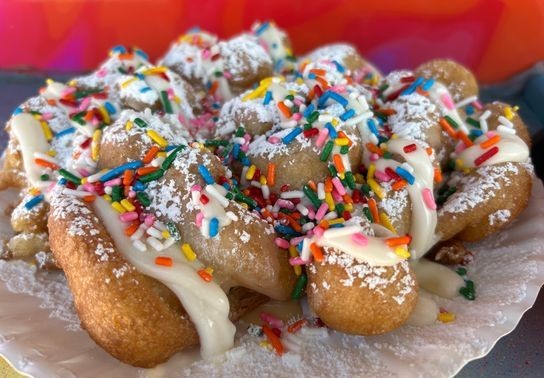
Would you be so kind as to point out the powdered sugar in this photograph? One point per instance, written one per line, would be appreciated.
(499, 216)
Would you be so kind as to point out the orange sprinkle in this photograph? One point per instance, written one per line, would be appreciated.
(146, 170)
(45, 163)
(214, 87)
(447, 128)
(388, 112)
(396, 241)
(338, 163)
(89, 198)
(317, 253)
(347, 198)
(88, 116)
(342, 134)
(267, 214)
(296, 226)
(324, 224)
(150, 155)
(311, 94)
(490, 142)
(429, 151)
(297, 325)
(205, 275)
(296, 215)
(273, 339)
(51, 101)
(328, 185)
(421, 91)
(466, 140)
(324, 83)
(375, 149)
(374, 210)
(246, 192)
(312, 185)
(437, 175)
(271, 174)
(398, 185)
(125, 56)
(127, 177)
(284, 109)
(163, 261)
(318, 71)
(132, 228)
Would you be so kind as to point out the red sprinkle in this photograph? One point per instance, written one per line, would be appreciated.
(204, 199)
(163, 261)
(486, 156)
(410, 148)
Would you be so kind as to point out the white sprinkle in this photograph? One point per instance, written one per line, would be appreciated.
(506, 130)
(321, 191)
(292, 194)
(154, 232)
(232, 216)
(466, 101)
(266, 191)
(307, 226)
(331, 215)
(407, 167)
(139, 245)
(303, 209)
(155, 244)
(212, 191)
(505, 122)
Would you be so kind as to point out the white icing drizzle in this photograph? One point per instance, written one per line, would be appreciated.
(28, 132)
(424, 219)
(215, 208)
(511, 149)
(273, 40)
(205, 302)
(437, 279)
(436, 94)
(376, 252)
(425, 312)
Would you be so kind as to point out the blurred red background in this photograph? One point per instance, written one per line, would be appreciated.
(494, 38)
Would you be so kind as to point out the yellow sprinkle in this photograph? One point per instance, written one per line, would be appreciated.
(446, 317)
(348, 207)
(334, 122)
(188, 252)
(337, 221)
(299, 81)
(293, 253)
(128, 125)
(370, 173)
(250, 172)
(84, 180)
(46, 130)
(72, 83)
(52, 153)
(34, 191)
(49, 81)
(515, 108)
(209, 270)
(459, 164)
(126, 83)
(162, 154)
(118, 207)
(394, 136)
(329, 201)
(107, 197)
(402, 252)
(359, 178)
(376, 188)
(262, 180)
(165, 234)
(508, 113)
(258, 92)
(177, 100)
(157, 138)
(265, 344)
(155, 70)
(105, 115)
(244, 205)
(127, 205)
(386, 222)
(95, 147)
(341, 141)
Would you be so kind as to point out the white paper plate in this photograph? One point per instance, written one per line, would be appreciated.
(40, 335)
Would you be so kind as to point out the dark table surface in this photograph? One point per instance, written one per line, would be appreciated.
(519, 354)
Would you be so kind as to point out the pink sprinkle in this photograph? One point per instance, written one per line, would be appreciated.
(84, 104)
(83, 172)
(322, 137)
(149, 220)
(338, 88)
(374, 156)
(490, 134)
(206, 54)
(285, 204)
(318, 231)
(359, 239)
(271, 320)
(273, 140)
(336, 196)
(447, 101)
(311, 213)
(338, 185)
(478, 105)
(113, 182)
(51, 186)
(129, 216)
(88, 187)
(132, 194)
(282, 243)
(245, 147)
(298, 239)
(429, 199)
(227, 75)
(298, 101)
(170, 92)
(47, 116)
(297, 261)
(67, 91)
(196, 188)
(321, 211)
(101, 72)
(460, 148)
(297, 116)
(381, 176)
(199, 219)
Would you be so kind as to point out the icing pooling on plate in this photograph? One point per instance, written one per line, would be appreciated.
(205, 302)
(437, 279)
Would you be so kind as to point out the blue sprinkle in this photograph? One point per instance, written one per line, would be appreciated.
(139, 76)
(145, 89)
(469, 109)
(274, 45)
(372, 126)
(138, 186)
(476, 132)
(267, 97)
(309, 110)
(246, 162)
(347, 115)
(17, 110)
(405, 175)
(323, 99)
(261, 29)
(206, 175)
(311, 75)
(34, 201)
(194, 29)
(62, 181)
(428, 84)
(292, 135)
(119, 170)
(170, 147)
(339, 67)
(64, 132)
(214, 227)
(109, 107)
(332, 131)
(413, 87)
(285, 230)
(119, 49)
(299, 247)
(338, 98)
(278, 65)
(142, 54)
(236, 151)
(336, 225)
(226, 186)
(216, 105)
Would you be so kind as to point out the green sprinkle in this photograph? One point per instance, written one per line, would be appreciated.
(170, 158)
(173, 230)
(245, 199)
(350, 180)
(44, 177)
(340, 209)
(332, 170)
(240, 132)
(326, 151)
(299, 286)
(467, 293)
(216, 143)
(307, 126)
(229, 196)
(289, 97)
(313, 117)
(152, 176)
(473, 122)
(143, 198)
(344, 150)
(166, 102)
(387, 155)
(140, 122)
(450, 120)
(116, 193)
(368, 214)
(461, 271)
(311, 196)
(69, 176)
(366, 189)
